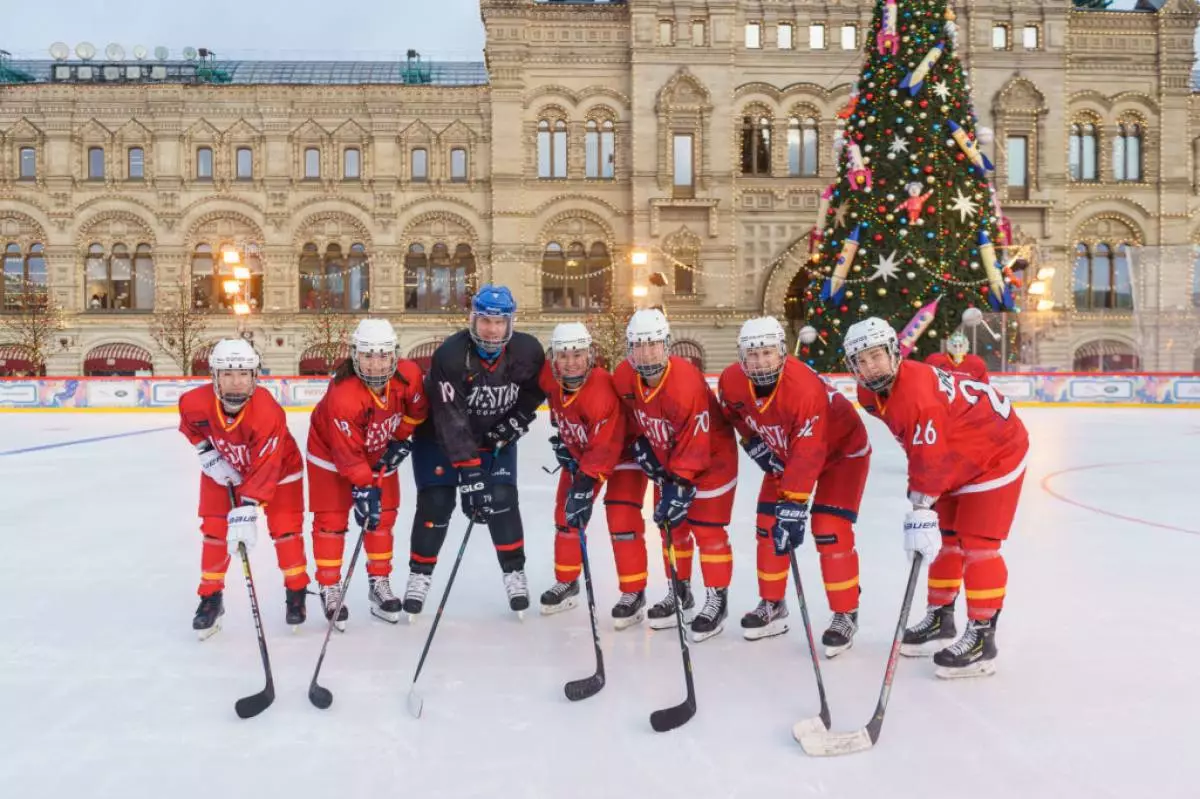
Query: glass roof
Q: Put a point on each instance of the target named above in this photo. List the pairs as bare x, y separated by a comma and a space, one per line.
440, 73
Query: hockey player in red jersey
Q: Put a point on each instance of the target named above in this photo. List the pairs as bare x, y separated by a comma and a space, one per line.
958, 360
687, 447
590, 446
241, 434
966, 462
356, 441
806, 437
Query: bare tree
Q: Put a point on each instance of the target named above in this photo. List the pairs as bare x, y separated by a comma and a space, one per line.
33, 324
608, 335
326, 333
180, 331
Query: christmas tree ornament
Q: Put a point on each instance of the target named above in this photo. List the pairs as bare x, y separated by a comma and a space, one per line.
887, 41
916, 326
914, 204
999, 294
980, 163
915, 79
858, 174
835, 286
817, 234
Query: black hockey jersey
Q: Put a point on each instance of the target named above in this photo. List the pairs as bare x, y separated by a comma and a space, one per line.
467, 397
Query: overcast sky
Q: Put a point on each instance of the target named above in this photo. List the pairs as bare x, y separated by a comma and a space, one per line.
270, 29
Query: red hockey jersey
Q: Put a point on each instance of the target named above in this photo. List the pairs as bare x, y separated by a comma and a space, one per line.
256, 442
683, 422
590, 421
971, 368
352, 425
806, 422
961, 436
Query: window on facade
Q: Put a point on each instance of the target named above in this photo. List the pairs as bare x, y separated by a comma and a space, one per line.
1017, 157
28, 163
95, 163
312, 163
1102, 277
334, 280
576, 278
802, 147
136, 163
204, 164
683, 164
816, 36
552, 149
438, 280
1083, 164
666, 32
351, 164
119, 279
419, 164
753, 35
1127, 152
783, 36
458, 165
999, 37
1031, 37
599, 150
849, 37
245, 163
684, 274
756, 145
699, 33
210, 272
24, 283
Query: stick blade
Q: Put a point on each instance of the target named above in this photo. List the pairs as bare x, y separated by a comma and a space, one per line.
415, 703
250, 706
822, 743
582, 689
320, 696
815, 724
669, 718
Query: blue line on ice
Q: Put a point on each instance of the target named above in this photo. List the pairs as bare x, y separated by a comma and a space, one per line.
83, 441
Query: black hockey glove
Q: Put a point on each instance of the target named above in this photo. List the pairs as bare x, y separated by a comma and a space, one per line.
791, 519
393, 456
643, 456
563, 455
675, 503
761, 454
366, 506
580, 497
508, 429
475, 489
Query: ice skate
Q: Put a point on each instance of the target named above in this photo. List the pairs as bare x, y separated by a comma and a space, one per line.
765, 621
932, 632
207, 621
330, 595
415, 593
296, 612
560, 597
840, 635
972, 655
517, 589
629, 610
662, 615
710, 620
384, 604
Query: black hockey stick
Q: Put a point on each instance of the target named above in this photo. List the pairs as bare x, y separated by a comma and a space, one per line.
415, 703
588, 686
823, 719
250, 706
319, 695
672, 717
823, 743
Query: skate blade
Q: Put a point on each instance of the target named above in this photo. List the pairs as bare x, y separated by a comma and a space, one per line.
833, 651
340, 626
669, 623
570, 603
390, 618
980, 668
520, 615
698, 638
770, 631
626, 623
411, 618
926, 649
204, 635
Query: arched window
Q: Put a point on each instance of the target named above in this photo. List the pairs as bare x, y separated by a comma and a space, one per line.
1127, 152
1102, 278
119, 280
335, 281
689, 351
802, 147
1106, 355
577, 278
117, 360
756, 145
599, 150
206, 291
422, 354
552, 149
24, 281
1083, 163
438, 281
215, 281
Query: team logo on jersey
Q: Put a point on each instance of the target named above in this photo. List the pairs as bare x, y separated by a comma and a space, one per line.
657, 430
489, 400
379, 432
773, 435
237, 455
572, 432
807, 430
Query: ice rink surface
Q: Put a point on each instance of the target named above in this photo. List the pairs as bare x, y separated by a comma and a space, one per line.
105, 691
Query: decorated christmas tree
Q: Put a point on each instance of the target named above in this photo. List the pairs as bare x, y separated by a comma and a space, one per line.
911, 230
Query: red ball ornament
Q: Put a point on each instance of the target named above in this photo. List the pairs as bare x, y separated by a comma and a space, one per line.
820, 311
878, 237
920, 140
843, 309
887, 131
923, 103
928, 169
945, 275
881, 209
959, 156
929, 209
903, 291
871, 96
958, 296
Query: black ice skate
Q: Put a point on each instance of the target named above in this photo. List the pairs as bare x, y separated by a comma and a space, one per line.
384, 604
924, 638
629, 610
973, 655
207, 621
662, 615
330, 596
560, 597
296, 611
710, 620
765, 621
517, 589
415, 593
840, 635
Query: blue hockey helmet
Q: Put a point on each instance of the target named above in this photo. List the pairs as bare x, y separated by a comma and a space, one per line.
492, 302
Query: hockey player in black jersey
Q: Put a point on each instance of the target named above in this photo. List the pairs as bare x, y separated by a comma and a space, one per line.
483, 394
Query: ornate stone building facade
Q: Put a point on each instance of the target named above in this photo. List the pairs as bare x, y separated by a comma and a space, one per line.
698, 135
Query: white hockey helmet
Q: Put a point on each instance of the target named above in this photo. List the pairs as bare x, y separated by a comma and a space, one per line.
228, 355
864, 337
566, 338
648, 326
762, 349
374, 337
957, 345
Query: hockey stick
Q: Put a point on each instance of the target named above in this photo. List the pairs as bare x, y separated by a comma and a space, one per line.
669, 718
319, 695
250, 706
588, 686
823, 743
823, 719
